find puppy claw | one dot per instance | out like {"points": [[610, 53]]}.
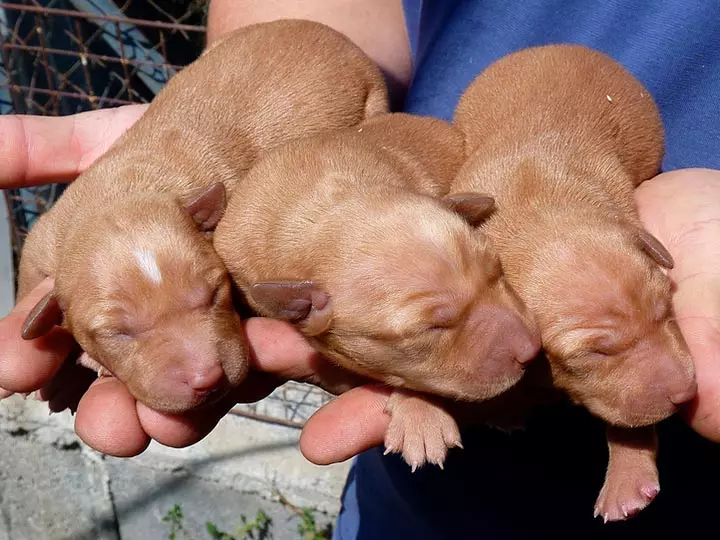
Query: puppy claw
{"points": [[414, 466], [387, 451], [650, 492]]}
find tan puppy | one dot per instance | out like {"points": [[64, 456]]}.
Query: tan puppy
{"points": [[140, 285], [561, 135], [342, 235]]}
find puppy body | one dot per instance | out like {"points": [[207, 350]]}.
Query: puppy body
{"points": [[349, 237], [141, 288], [561, 135]]}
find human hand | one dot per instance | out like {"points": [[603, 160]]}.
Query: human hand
{"points": [[34, 150], [682, 209]]}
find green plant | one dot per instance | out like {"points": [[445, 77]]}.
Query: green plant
{"points": [[260, 526], [175, 518], [308, 527], [258, 529]]}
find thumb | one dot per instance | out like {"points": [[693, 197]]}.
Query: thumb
{"points": [[349, 424]]}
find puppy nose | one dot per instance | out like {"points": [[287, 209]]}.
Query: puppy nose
{"points": [[207, 379], [515, 338], [526, 344], [686, 395]]}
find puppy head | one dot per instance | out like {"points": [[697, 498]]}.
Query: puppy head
{"points": [[147, 297], [604, 308], [412, 295]]}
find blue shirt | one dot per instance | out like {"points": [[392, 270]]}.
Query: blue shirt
{"points": [[542, 483]]}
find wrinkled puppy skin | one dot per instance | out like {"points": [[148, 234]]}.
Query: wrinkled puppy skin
{"points": [[349, 237], [561, 135], [136, 277]]}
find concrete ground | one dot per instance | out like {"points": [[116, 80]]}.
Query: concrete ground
{"points": [[53, 487]]}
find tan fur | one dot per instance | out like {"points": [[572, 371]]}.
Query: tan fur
{"points": [[561, 135], [410, 294], [354, 212], [260, 87], [562, 161]]}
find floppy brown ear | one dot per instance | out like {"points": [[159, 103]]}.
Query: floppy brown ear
{"points": [[653, 247], [474, 207], [299, 302], [208, 207], [42, 317]]}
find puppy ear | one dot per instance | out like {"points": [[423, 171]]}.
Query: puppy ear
{"points": [[208, 207], [42, 317], [653, 247], [300, 302], [474, 207]]}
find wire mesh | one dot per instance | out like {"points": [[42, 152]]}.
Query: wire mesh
{"points": [[61, 57]]}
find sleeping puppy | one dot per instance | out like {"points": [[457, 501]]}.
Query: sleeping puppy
{"points": [[561, 135], [137, 280], [349, 237]]}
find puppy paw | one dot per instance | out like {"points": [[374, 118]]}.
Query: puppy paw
{"points": [[631, 481], [421, 430], [623, 497]]}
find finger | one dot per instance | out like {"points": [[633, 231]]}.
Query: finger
{"points": [[39, 149], [702, 413], [698, 314], [28, 365], [107, 420], [352, 423], [276, 347], [184, 430]]}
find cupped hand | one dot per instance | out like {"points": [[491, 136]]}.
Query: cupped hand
{"points": [[34, 150], [682, 208]]}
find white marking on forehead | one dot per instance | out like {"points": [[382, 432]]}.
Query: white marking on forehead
{"points": [[148, 264]]}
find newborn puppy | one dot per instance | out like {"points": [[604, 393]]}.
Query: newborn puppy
{"points": [[136, 277], [561, 135], [348, 236]]}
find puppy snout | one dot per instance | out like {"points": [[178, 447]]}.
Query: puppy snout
{"points": [[512, 340], [206, 379], [680, 396]]}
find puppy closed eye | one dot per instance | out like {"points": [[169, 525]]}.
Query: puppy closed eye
{"points": [[442, 318], [592, 343], [117, 334]]}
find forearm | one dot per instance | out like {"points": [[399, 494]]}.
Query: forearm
{"points": [[376, 26]]}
